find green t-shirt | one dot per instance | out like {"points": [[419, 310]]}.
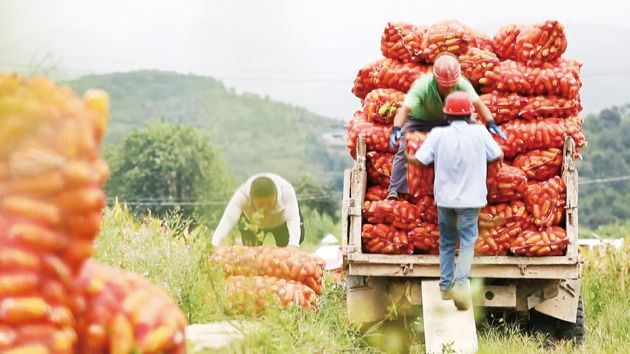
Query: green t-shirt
{"points": [[424, 101]]}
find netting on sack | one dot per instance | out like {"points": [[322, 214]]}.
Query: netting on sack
{"points": [[497, 215], [546, 200], [380, 105], [475, 62], [550, 241], [524, 136], [425, 238], [560, 77], [387, 73], [282, 262], [379, 168], [505, 183], [419, 179], [540, 165], [401, 214], [531, 44], [376, 135], [249, 294], [402, 41], [386, 239], [497, 240]]}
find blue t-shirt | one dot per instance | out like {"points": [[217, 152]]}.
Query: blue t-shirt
{"points": [[461, 152]]}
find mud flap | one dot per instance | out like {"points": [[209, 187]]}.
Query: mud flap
{"points": [[367, 299], [564, 305]]}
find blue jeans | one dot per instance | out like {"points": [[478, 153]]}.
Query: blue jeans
{"points": [[454, 224]]}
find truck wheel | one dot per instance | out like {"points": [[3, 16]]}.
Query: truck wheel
{"points": [[553, 327], [573, 331]]}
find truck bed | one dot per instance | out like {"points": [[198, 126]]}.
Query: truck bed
{"points": [[364, 264]]}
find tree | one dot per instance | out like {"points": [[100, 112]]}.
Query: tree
{"points": [[318, 196], [165, 166]]}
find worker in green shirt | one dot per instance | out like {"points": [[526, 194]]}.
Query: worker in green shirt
{"points": [[422, 111]]}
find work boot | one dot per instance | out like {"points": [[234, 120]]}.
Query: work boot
{"points": [[461, 296], [393, 195], [446, 294]]}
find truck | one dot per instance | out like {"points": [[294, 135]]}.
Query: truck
{"points": [[545, 291]]}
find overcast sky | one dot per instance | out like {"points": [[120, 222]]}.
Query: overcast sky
{"points": [[301, 52]]}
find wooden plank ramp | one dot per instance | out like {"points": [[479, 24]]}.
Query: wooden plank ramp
{"points": [[446, 329]]}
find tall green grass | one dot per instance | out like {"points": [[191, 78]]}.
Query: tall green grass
{"points": [[175, 258]]}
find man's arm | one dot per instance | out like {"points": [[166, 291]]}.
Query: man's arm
{"points": [[486, 116], [411, 158], [230, 217], [492, 149], [292, 216], [483, 111], [402, 114]]}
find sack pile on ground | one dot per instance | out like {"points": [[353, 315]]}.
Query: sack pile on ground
{"points": [[51, 201], [286, 273], [533, 94]]}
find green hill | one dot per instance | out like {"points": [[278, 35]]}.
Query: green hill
{"points": [[253, 133]]}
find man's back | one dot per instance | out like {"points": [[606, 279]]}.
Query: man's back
{"points": [[460, 152]]}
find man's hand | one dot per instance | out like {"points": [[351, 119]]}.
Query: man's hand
{"points": [[494, 129], [411, 159], [393, 139]]}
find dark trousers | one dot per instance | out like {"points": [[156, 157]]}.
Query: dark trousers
{"points": [[398, 182], [280, 233]]}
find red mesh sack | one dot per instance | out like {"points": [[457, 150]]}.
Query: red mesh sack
{"points": [[546, 201], [523, 136], [386, 239], [550, 106], [402, 41], [479, 40], [125, 312], [281, 262], [51, 201], [366, 79], [249, 294], [380, 105], [550, 241], [559, 78], [540, 43], [531, 45], [387, 73], [505, 183], [376, 193], [504, 41], [493, 216], [401, 214], [379, 167], [496, 241], [504, 106], [428, 209], [419, 179], [445, 36], [425, 238], [376, 135], [399, 76], [475, 62], [540, 165]]}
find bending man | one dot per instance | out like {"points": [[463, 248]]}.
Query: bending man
{"points": [[267, 202]]}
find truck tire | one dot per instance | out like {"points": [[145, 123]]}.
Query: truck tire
{"points": [[554, 328], [573, 331]]}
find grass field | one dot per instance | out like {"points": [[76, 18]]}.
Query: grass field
{"points": [[175, 258]]}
